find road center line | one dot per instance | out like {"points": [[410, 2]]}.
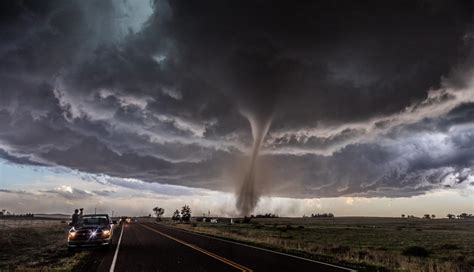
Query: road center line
{"points": [[222, 259], [112, 266], [258, 248]]}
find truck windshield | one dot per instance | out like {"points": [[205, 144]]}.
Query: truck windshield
{"points": [[93, 220]]}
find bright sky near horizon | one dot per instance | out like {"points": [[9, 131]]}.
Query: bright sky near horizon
{"points": [[58, 190]]}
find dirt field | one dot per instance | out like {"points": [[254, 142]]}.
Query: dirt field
{"points": [[38, 245], [388, 243]]}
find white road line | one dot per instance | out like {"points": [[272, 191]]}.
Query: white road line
{"points": [[210, 254], [259, 248], [112, 266]]}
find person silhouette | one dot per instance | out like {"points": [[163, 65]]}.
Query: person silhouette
{"points": [[75, 217]]}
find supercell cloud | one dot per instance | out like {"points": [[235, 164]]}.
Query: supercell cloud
{"points": [[335, 98]]}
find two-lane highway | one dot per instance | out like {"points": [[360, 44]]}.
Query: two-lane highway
{"points": [[156, 247]]}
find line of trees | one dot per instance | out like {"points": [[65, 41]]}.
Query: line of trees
{"points": [[5, 213], [449, 216], [322, 215], [460, 216], [267, 215]]}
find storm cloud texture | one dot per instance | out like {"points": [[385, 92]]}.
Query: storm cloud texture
{"points": [[360, 98]]}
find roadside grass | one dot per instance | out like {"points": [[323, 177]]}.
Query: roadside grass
{"points": [[375, 243], [38, 248]]}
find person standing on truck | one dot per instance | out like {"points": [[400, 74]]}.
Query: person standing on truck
{"points": [[75, 217]]}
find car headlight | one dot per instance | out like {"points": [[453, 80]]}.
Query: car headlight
{"points": [[72, 234], [106, 232]]}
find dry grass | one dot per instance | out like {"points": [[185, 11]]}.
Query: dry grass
{"points": [[16, 223], [372, 242], [37, 247]]}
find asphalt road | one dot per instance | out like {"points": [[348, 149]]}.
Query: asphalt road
{"points": [[155, 247]]}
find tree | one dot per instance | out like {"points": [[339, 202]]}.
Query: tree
{"points": [[158, 212], [185, 213], [427, 216], [403, 216], [451, 216], [176, 216], [433, 216], [465, 215]]}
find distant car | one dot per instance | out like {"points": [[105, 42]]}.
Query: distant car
{"points": [[91, 230], [125, 219]]}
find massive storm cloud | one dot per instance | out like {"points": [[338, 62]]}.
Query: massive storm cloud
{"points": [[312, 99]]}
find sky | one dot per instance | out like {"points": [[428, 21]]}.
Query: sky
{"points": [[237, 107]]}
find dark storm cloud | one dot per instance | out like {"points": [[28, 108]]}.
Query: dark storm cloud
{"points": [[19, 159], [370, 99], [316, 55]]}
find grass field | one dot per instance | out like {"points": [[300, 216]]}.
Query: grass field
{"points": [[365, 243], [39, 245]]}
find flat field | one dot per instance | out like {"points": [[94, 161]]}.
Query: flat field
{"points": [[365, 243], [36, 245]]}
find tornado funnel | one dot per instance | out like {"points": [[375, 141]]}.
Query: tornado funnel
{"points": [[249, 194]]}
